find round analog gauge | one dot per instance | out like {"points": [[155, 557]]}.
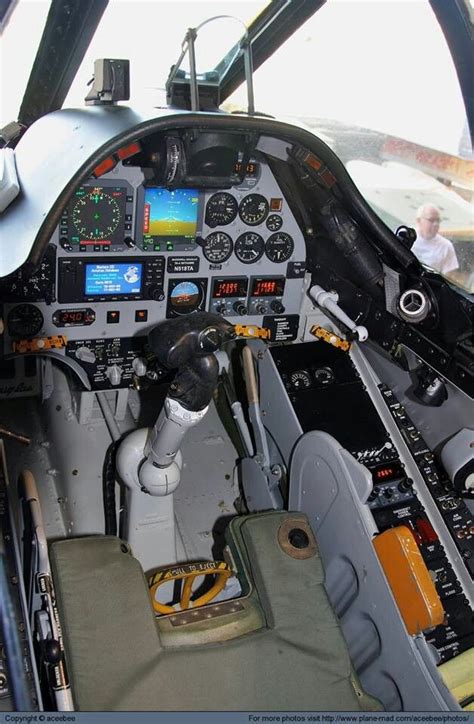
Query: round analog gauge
{"points": [[279, 247], [217, 247], [324, 375], [185, 297], [300, 380], [253, 209], [274, 222], [249, 247], [96, 215], [25, 320], [221, 209]]}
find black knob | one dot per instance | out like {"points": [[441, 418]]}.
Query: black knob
{"points": [[52, 651], [221, 309], [239, 308], [129, 242], [210, 339], [277, 307], [388, 492], [156, 293], [405, 485], [64, 242], [261, 309]]}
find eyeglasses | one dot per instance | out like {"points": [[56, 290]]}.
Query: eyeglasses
{"points": [[432, 221]]}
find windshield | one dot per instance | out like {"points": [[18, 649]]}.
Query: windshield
{"points": [[149, 33], [375, 79]]}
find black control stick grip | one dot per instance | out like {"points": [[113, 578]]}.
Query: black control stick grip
{"points": [[187, 344]]}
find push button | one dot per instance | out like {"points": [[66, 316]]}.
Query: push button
{"points": [[113, 317], [141, 315]]}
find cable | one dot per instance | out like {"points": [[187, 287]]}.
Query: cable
{"points": [[108, 471], [108, 489], [109, 416]]}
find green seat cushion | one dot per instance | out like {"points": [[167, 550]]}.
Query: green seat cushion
{"points": [[117, 661]]}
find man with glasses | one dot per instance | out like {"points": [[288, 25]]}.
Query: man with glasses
{"points": [[431, 248]]}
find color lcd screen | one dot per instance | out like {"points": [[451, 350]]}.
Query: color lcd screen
{"points": [[96, 214], [113, 279], [170, 215]]}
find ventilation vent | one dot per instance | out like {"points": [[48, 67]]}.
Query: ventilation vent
{"points": [[413, 305]]}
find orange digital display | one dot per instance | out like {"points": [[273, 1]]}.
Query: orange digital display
{"points": [[388, 472], [223, 288], [251, 168], [270, 287]]}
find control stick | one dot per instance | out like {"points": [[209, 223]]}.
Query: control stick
{"points": [[149, 460]]}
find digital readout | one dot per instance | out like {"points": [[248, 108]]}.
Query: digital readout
{"points": [[74, 317], [387, 472], [229, 288], [251, 168], [268, 287]]}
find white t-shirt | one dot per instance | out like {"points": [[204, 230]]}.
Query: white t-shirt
{"points": [[437, 253]]}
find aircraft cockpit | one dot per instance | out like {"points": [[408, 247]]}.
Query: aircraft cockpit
{"points": [[236, 401]]}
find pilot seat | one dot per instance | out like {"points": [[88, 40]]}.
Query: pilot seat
{"points": [[277, 647]]}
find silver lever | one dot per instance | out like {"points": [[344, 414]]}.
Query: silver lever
{"points": [[329, 301]]}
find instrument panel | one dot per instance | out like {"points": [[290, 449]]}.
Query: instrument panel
{"points": [[129, 253]]}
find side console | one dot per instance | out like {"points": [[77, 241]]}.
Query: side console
{"points": [[314, 386]]}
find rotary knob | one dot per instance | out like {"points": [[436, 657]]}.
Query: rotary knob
{"points": [[85, 354], [239, 308], [277, 307], [156, 293], [114, 374], [139, 366]]}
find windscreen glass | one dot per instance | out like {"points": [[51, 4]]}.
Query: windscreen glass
{"points": [[376, 81]]}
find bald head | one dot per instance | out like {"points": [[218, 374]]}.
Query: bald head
{"points": [[427, 221]]}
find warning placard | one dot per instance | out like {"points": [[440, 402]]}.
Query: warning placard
{"points": [[282, 329]]}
